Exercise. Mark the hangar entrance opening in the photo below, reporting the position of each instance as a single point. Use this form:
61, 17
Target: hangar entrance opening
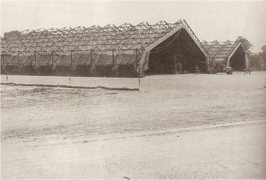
237, 61
179, 53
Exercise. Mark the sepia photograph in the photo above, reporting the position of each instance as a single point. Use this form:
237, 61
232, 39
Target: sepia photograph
133, 89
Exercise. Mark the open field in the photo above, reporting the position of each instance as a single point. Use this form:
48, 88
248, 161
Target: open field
176, 126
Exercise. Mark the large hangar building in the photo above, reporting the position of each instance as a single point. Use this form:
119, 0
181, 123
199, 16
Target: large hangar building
116, 51
227, 54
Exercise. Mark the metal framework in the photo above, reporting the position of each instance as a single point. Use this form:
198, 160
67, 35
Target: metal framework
222, 51
87, 45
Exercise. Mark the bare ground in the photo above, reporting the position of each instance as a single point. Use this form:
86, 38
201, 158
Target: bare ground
95, 133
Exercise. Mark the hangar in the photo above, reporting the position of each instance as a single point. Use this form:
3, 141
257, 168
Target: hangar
227, 54
110, 51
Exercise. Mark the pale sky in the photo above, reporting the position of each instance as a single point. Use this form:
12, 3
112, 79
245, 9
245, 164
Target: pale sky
209, 20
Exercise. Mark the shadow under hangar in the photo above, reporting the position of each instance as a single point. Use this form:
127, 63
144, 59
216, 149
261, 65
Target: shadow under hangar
123, 51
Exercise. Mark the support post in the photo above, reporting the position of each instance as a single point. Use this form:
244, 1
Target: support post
228, 62
113, 58
35, 59
71, 58
209, 63
3, 61
175, 63
91, 57
52, 57
246, 62
136, 58
19, 68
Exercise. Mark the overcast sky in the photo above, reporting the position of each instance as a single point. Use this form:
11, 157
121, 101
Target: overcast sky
209, 20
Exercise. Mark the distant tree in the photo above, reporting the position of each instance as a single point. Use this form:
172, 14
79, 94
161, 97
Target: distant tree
256, 62
7, 35
263, 55
247, 45
264, 49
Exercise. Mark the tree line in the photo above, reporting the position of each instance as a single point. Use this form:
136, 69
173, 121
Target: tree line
257, 61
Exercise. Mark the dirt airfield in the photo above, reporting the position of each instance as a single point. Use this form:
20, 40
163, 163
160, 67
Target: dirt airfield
176, 126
